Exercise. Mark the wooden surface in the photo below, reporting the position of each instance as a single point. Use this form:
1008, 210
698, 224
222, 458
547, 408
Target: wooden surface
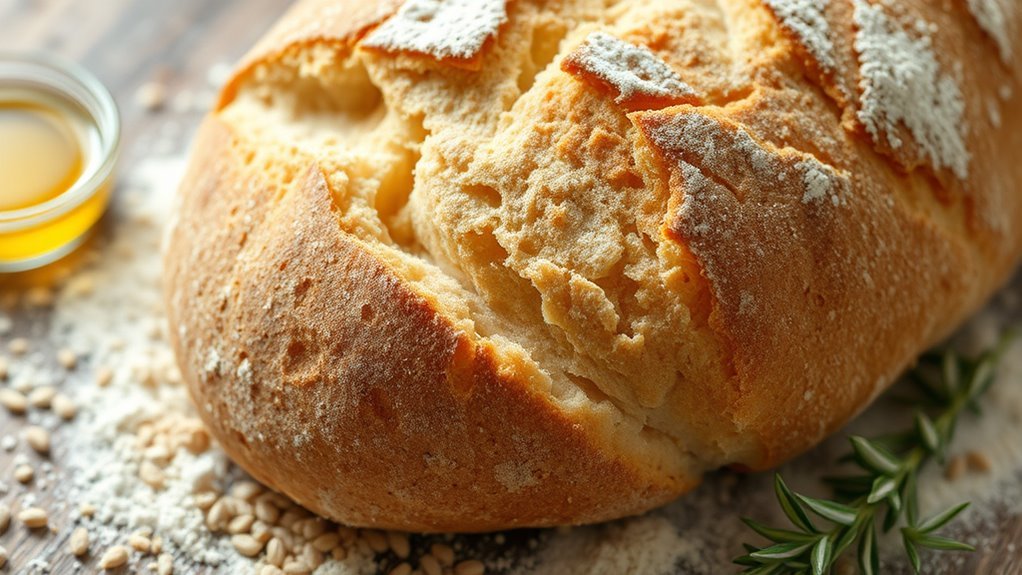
129, 43
126, 44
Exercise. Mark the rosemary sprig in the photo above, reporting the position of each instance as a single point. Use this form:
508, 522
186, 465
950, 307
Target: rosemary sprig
884, 488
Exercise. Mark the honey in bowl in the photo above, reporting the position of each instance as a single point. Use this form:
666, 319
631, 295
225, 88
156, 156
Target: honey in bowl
59, 138
43, 151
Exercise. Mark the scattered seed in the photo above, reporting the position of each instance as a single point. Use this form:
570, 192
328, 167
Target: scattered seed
246, 490
4, 369
165, 564
430, 565
312, 557
313, 528
470, 567
39, 297
205, 500
33, 517
246, 545
157, 547
87, 510
240, 524
104, 376
64, 407
399, 544
955, 468
14, 401
79, 542
151, 96
67, 358
114, 557
266, 511
275, 552
24, 473
152, 475
38, 439
42, 397
328, 541
219, 515
3, 556
18, 346
270, 570
401, 569
443, 553
377, 541
978, 461
5, 517
140, 542
339, 553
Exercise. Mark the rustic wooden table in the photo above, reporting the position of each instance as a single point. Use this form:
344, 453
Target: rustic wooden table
128, 43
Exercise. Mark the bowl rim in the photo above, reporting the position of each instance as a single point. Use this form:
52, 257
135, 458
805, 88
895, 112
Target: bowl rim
64, 79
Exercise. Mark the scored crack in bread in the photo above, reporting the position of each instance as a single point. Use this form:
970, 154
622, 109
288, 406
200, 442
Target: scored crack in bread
463, 265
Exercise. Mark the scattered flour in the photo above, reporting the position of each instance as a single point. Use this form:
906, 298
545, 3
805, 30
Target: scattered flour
902, 83
632, 71
806, 19
992, 16
440, 28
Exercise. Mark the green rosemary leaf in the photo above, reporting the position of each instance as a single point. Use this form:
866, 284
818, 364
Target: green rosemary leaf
912, 552
933, 393
849, 487
911, 499
747, 561
941, 519
951, 372
883, 487
869, 556
791, 506
873, 457
927, 432
770, 569
941, 543
820, 558
831, 510
778, 535
846, 536
781, 551
891, 518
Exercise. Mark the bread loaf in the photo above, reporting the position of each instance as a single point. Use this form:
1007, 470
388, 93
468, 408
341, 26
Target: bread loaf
464, 265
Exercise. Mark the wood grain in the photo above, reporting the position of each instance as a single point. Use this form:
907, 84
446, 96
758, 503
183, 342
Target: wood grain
128, 43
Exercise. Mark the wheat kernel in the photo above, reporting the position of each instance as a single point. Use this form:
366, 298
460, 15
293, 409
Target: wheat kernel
113, 558
33, 517
79, 542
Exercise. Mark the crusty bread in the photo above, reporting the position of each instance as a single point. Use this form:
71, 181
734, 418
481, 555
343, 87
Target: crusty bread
463, 265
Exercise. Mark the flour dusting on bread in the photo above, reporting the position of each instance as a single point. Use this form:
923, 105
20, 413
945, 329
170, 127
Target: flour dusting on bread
444, 29
992, 17
903, 84
807, 20
823, 183
634, 72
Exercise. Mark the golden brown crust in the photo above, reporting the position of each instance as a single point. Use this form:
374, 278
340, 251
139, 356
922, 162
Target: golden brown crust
582, 301
319, 401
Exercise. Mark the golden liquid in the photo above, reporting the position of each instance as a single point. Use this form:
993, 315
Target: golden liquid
41, 154
46, 146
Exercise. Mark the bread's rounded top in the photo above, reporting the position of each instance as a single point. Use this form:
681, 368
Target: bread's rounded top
726, 224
